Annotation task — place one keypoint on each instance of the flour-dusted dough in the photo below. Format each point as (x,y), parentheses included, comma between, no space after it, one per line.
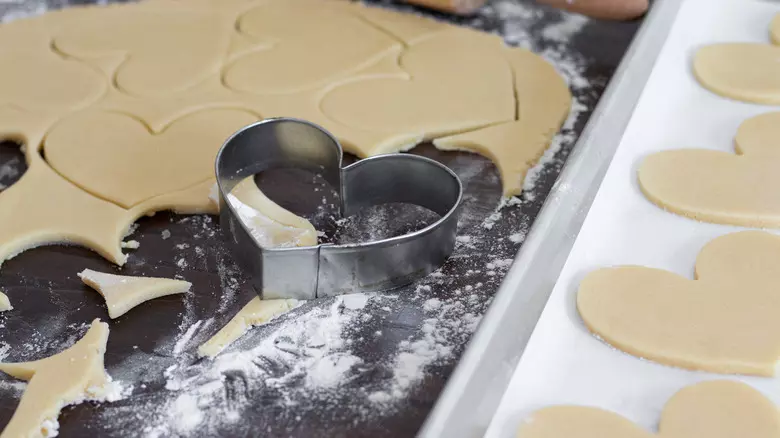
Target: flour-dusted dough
(69,377)
(774,30)
(256,312)
(134,99)
(116,158)
(721,187)
(543,102)
(742,71)
(725,321)
(711,409)
(122,292)
(271,225)
(5,303)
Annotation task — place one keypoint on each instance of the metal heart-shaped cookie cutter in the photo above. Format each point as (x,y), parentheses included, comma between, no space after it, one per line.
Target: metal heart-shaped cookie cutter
(326,270)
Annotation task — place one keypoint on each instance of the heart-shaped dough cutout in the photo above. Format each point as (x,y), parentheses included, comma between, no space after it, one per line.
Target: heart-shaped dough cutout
(712,409)
(344,43)
(742,71)
(725,321)
(774,30)
(42,81)
(720,187)
(543,102)
(149,51)
(450,91)
(115,157)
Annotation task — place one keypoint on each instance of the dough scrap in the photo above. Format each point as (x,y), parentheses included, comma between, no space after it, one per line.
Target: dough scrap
(712,409)
(543,103)
(271,225)
(122,292)
(5,303)
(721,187)
(774,30)
(115,157)
(254,313)
(69,377)
(744,71)
(725,321)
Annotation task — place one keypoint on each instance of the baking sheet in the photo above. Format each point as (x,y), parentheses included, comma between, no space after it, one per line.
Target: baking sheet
(563,363)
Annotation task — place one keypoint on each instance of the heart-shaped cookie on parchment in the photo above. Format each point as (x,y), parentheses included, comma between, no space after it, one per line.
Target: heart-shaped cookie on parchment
(116,157)
(721,187)
(725,321)
(712,409)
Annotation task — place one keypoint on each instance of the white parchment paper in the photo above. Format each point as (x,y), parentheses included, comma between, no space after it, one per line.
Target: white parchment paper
(563,363)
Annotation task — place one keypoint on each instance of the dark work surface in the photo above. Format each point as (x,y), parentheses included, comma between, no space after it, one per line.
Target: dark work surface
(52,306)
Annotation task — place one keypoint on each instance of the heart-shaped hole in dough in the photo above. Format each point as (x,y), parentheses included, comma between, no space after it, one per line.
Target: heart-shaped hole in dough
(12,164)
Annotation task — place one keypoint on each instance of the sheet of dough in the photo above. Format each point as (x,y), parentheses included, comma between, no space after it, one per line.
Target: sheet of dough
(744,71)
(720,187)
(135,117)
(271,225)
(712,409)
(5,303)
(72,376)
(254,313)
(727,320)
(122,292)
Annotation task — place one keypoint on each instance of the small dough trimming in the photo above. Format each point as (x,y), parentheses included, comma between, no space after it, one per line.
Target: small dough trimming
(122,292)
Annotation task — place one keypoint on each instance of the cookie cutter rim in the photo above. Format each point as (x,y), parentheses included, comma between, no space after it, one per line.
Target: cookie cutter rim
(327,269)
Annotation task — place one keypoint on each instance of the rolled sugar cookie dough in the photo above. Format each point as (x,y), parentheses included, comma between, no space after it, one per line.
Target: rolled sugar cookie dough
(122,292)
(727,320)
(254,313)
(721,187)
(271,225)
(742,71)
(122,162)
(132,120)
(69,377)
(712,409)
(5,303)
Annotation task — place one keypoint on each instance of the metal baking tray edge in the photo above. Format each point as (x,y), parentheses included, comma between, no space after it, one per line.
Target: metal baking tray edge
(473,392)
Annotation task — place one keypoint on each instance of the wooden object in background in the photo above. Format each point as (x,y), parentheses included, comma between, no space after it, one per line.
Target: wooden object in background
(604,9)
(461,7)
